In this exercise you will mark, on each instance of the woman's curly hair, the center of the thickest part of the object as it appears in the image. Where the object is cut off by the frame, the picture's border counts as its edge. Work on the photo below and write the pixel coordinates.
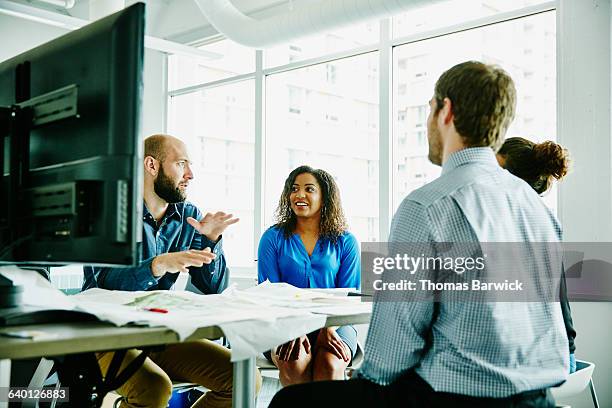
(333, 222)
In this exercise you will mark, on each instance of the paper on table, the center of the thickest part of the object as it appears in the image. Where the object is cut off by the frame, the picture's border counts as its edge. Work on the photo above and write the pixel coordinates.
(118, 297)
(285, 295)
(344, 310)
(256, 336)
(285, 291)
(186, 311)
(333, 291)
(37, 291)
(253, 320)
(251, 338)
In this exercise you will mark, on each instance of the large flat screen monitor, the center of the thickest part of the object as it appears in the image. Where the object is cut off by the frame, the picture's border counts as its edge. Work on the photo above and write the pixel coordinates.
(71, 148)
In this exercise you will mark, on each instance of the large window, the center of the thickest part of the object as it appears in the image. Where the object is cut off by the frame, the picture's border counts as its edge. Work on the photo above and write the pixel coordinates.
(451, 12)
(218, 126)
(326, 116)
(319, 103)
(524, 47)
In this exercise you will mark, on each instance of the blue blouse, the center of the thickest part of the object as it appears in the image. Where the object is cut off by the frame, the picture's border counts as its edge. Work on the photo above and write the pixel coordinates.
(331, 265)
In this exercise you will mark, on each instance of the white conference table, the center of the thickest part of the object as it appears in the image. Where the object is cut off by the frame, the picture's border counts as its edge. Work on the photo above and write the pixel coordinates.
(72, 338)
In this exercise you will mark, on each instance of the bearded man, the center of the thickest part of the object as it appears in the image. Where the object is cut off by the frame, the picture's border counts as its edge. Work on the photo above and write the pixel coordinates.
(176, 239)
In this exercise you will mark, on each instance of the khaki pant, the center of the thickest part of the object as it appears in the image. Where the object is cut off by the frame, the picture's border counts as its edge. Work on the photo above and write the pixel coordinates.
(202, 362)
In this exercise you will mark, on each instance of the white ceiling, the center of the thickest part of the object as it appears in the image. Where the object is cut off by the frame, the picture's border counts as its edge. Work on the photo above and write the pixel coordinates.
(178, 20)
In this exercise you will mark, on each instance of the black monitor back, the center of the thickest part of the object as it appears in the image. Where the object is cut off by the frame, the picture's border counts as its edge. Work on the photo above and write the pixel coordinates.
(81, 198)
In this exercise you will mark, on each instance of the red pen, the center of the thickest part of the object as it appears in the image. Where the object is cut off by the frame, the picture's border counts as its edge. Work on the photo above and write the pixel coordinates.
(155, 309)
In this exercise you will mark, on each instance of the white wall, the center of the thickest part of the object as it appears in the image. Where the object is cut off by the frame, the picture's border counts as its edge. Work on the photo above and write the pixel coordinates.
(154, 95)
(23, 35)
(585, 198)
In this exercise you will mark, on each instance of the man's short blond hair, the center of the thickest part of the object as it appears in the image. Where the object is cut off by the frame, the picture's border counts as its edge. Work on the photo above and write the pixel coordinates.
(155, 146)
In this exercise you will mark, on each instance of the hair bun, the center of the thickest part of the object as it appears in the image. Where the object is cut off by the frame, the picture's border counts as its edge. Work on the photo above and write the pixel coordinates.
(554, 159)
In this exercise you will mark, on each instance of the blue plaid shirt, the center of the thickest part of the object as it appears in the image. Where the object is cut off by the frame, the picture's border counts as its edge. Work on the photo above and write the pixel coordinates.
(493, 349)
(173, 234)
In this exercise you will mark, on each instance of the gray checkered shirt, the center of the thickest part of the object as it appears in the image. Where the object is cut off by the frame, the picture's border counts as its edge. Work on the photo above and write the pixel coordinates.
(493, 349)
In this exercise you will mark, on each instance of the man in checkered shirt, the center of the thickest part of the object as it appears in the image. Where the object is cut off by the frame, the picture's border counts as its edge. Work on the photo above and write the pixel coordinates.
(461, 354)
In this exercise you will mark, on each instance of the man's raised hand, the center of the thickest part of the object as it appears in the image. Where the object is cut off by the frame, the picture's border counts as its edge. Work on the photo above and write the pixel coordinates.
(213, 225)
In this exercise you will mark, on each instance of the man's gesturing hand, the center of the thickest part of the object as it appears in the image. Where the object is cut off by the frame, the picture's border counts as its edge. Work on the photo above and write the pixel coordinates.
(213, 225)
(180, 261)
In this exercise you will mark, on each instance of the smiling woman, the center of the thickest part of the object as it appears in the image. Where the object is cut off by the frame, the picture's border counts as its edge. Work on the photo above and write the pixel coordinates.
(311, 197)
(310, 247)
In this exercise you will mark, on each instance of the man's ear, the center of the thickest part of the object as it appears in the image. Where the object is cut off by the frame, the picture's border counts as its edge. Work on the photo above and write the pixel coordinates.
(446, 113)
(151, 165)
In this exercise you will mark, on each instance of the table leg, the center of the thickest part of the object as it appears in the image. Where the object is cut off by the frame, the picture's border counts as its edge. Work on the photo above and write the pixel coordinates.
(244, 384)
(5, 378)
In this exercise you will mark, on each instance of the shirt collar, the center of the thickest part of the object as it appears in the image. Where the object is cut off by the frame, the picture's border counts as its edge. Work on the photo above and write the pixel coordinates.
(483, 155)
(171, 211)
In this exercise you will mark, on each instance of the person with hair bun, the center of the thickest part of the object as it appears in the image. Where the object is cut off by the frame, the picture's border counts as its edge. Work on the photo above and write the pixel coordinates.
(310, 247)
(536, 163)
(539, 164)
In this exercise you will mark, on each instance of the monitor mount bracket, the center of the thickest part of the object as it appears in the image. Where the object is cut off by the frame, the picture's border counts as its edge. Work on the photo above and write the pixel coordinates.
(16, 121)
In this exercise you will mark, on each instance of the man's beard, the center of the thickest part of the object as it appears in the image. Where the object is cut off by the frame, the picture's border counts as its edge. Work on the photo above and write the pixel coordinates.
(165, 188)
(435, 145)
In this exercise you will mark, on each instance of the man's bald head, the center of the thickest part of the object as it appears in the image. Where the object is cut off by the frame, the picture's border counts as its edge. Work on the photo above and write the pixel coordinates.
(157, 146)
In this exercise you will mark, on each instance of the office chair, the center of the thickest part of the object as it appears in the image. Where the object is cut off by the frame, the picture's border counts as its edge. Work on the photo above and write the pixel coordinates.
(577, 382)
(43, 370)
(177, 388)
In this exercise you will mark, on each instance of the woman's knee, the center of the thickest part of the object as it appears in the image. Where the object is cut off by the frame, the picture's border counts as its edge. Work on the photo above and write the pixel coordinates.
(328, 366)
(294, 372)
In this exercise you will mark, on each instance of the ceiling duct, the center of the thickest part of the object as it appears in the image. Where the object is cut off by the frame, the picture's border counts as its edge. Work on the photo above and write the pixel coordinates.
(67, 4)
(301, 21)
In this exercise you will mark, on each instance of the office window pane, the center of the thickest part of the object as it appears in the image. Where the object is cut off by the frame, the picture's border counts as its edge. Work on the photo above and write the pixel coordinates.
(326, 116)
(340, 39)
(232, 59)
(218, 126)
(450, 12)
(524, 47)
